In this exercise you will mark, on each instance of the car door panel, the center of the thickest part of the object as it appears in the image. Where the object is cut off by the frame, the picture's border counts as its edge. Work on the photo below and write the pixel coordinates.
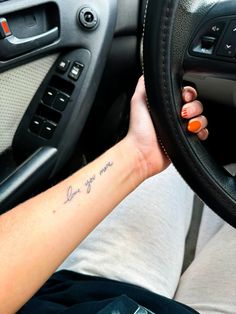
(72, 34)
(27, 81)
(28, 158)
(18, 87)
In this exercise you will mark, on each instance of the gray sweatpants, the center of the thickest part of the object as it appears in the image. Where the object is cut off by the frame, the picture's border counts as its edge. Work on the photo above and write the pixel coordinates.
(143, 240)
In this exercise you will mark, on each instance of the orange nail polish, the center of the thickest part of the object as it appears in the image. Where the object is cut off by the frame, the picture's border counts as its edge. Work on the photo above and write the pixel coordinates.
(194, 126)
(184, 113)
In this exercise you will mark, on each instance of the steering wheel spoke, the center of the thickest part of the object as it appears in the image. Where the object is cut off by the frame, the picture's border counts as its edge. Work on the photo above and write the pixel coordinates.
(191, 40)
(210, 59)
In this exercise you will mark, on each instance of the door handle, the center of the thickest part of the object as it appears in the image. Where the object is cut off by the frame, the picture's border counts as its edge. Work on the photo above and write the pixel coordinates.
(12, 46)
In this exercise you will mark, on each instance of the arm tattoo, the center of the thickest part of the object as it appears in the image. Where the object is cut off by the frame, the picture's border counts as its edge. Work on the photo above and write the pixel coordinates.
(89, 183)
(105, 168)
(73, 192)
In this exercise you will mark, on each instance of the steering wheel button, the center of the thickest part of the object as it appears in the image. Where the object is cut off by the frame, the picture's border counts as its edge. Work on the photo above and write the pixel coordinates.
(208, 42)
(228, 44)
(232, 29)
(227, 49)
(61, 102)
(48, 130)
(76, 71)
(216, 29)
(49, 96)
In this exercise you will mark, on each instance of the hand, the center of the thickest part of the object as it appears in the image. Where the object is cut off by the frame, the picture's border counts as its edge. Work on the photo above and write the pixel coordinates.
(142, 135)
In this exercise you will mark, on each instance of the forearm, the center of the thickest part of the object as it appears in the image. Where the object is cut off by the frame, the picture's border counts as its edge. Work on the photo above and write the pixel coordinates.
(38, 235)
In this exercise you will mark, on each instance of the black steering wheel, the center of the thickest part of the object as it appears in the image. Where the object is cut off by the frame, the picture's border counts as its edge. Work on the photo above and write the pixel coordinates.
(190, 36)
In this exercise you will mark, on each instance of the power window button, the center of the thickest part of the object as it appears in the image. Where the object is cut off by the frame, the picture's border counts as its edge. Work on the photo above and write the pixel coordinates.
(61, 102)
(49, 96)
(36, 125)
(63, 65)
(48, 130)
(76, 71)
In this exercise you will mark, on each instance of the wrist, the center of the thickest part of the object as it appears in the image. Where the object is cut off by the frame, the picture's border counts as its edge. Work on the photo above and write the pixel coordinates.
(137, 160)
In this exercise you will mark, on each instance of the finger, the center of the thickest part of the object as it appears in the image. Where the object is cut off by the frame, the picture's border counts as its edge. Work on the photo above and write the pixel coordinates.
(140, 88)
(192, 109)
(189, 94)
(203, 134)
(140, 92)
(197, 124)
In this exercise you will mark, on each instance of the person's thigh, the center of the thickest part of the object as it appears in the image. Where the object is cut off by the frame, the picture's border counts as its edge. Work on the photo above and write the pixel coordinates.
(142, 241)
(209, 284)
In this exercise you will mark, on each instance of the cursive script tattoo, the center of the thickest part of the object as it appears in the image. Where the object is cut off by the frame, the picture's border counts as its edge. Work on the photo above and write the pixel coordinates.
(89, 183)
(105, 168)
(71, 194)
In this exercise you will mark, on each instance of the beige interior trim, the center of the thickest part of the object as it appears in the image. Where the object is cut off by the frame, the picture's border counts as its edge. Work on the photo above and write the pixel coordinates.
(17, 87)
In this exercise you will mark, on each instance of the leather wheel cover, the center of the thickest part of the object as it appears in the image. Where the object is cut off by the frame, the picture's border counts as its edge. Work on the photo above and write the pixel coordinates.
(167, 30)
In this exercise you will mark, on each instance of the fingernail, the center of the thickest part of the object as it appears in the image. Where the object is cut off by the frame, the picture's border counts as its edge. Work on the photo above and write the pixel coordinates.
(194, 126)
(205, 134)
(184, 113)
(187, 112)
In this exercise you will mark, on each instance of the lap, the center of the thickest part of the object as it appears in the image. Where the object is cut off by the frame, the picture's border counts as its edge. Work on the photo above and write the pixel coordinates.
(209, 284)
(142, 241)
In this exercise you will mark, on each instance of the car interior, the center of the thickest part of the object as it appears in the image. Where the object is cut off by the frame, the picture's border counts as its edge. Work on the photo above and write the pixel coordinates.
(69, 68)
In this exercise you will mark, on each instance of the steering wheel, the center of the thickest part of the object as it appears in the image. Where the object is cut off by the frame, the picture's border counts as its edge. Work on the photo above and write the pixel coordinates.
(190, 36)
